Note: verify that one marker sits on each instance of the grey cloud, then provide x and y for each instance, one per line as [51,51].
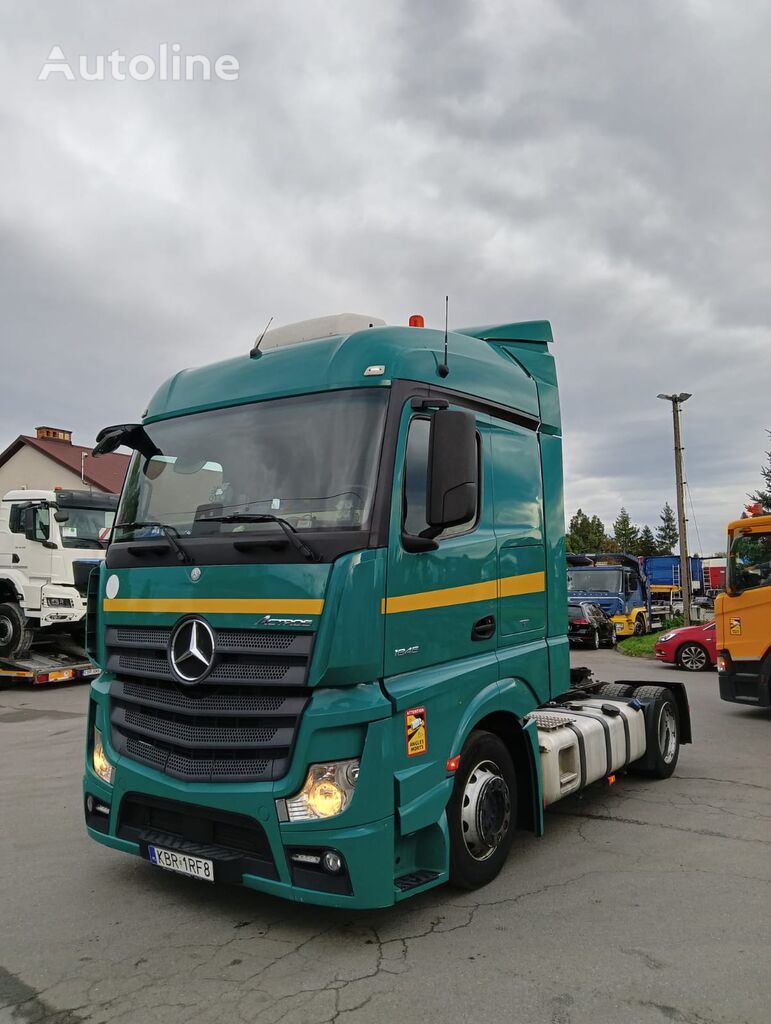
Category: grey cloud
[600,165]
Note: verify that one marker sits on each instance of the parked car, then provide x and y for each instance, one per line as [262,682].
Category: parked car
[589,625]
[693,648]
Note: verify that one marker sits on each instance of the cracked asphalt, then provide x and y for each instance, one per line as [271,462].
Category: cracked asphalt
[646,902]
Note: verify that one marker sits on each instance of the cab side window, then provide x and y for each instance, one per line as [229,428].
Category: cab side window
[415,484]
[42,524]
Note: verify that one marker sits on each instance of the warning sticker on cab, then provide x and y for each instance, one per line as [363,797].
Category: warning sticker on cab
[417,738]
[735,627]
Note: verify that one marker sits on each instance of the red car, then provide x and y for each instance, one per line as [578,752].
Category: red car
[691,647]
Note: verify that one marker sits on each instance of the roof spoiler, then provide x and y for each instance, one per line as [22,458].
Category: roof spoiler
[534,331]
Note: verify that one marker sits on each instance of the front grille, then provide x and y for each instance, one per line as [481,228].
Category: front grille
[238,725]
[237,844]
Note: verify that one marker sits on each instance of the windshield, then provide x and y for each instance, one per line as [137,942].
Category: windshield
[86,527]
[310,460]
[604,581]
[749,563]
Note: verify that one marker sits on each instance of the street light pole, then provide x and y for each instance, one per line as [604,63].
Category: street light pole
[685,565]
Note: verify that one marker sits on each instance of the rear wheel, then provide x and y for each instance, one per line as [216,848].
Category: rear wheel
[692,657]
[482,811]
[662,732]
[595,640]
[15,635]
[616,690]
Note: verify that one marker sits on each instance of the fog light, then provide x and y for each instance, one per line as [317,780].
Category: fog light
[333,862]
[101,765]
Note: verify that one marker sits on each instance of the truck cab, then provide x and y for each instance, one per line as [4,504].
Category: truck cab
[743,614]
[617,583]
[49,543]
[334,599]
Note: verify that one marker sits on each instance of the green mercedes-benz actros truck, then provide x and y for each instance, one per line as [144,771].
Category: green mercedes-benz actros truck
[331,623]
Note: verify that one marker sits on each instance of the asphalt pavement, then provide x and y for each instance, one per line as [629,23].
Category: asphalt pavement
[644,902]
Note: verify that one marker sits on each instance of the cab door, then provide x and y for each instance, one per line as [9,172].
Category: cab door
[440,605]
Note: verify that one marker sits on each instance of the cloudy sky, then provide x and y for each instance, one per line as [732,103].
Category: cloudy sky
[603,165]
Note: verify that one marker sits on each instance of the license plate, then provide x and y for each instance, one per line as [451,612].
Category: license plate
[87,673]
[182,863]
[65,673]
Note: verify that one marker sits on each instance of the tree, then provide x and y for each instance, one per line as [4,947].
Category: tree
[647,542]
[763,496]
[667,535]
[625,534]
[586,534]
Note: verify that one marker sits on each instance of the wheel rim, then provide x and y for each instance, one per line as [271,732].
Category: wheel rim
[693,658]
[596,640]
[485,810]
[6,629]
[638,627]
[667,733]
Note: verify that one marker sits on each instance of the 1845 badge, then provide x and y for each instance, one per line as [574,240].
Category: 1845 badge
[417,737]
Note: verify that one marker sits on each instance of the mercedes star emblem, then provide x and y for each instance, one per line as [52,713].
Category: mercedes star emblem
[191,650]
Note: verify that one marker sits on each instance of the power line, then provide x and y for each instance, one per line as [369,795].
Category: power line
[693,510]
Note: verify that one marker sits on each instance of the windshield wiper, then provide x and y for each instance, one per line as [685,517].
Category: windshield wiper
[169,532]
[266,517]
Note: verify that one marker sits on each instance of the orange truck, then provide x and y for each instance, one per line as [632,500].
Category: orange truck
[743,614]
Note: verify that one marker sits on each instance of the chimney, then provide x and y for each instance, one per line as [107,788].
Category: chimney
[53,434]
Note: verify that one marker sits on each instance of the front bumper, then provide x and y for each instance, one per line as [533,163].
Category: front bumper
[747,682]
[236,824]
[52,615]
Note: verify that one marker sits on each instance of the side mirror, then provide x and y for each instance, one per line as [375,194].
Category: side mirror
[132,435]
[453,468]
[62,516]
[29,522]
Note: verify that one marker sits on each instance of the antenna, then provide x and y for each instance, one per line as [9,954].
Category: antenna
[255,351]
[443,369]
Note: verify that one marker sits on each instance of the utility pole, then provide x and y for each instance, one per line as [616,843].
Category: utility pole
[685,564]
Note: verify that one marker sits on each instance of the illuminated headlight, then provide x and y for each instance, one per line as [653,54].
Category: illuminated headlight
[327,791]
[59,602]
[101,765]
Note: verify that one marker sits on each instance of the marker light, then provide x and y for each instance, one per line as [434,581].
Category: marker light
[416,320]
[453,763]
[102,766]
[327,791]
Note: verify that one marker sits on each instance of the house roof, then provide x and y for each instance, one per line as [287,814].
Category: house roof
[107,472]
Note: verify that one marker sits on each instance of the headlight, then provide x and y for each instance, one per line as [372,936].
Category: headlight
[327,791]
[664,638]
[59,602]
[102,766]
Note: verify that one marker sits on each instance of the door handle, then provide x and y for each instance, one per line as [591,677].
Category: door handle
[483,629]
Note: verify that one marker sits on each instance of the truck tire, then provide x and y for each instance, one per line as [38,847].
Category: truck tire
[482,811]
[662,733]
[615,690]
[639,626]
[692,657]
[15,635]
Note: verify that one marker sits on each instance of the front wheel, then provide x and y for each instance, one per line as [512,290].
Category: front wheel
[482,811]
[639,626]
[15,634]
[692,657]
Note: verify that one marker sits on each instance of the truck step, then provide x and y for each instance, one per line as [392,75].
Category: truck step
[415,879]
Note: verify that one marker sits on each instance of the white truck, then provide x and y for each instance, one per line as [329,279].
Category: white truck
[49,543]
